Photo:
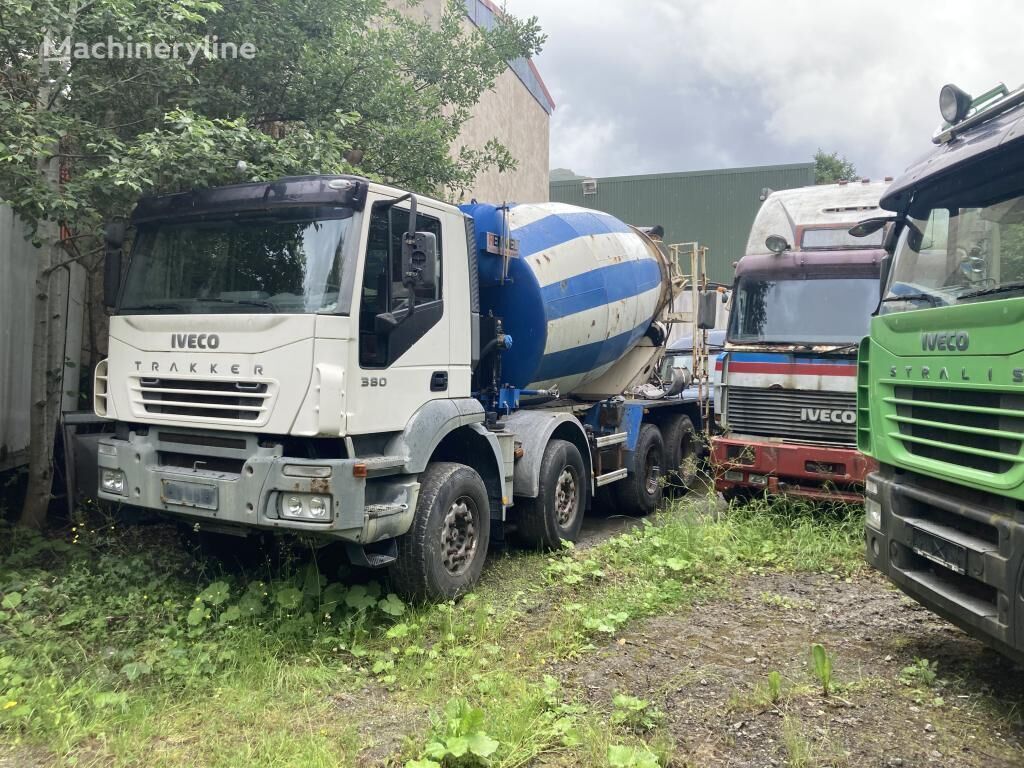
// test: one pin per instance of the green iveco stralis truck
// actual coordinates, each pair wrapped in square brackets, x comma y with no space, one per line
[940,398]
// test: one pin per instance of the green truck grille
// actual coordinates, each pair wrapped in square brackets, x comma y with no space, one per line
[959,427]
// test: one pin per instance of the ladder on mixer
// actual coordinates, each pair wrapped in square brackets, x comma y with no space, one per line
[690,263]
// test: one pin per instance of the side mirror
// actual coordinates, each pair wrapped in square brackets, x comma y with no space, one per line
[776,244]
[868,226]
[707,310]
[113,242]
[419,259]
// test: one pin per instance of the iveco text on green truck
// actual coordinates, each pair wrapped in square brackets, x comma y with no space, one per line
[941,377]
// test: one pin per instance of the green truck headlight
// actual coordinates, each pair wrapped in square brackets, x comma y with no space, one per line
[873,513]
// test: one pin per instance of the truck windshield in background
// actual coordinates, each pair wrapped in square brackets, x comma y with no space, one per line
[958,252]
[837,238]
[290,261]
[778,310]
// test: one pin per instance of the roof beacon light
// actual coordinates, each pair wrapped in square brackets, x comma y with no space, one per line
[954,103]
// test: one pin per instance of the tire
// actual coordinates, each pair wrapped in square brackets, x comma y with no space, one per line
[640,492]
[682,450]
[452,508]
[556,515]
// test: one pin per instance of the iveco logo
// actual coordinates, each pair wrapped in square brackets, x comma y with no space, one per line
[948,341]
[827,416]
[195,341]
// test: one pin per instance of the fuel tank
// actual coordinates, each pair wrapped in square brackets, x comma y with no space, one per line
[576,289]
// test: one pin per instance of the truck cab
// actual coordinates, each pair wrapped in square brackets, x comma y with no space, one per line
[786,384]
[941,376]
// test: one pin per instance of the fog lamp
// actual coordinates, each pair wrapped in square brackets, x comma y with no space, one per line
[954,103]
[112,481]
[305,506]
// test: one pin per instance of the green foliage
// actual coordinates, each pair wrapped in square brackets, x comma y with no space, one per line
[921,674]
[84,622]
[459,740]
[822,665]
[635,714]
[620,756]
[830,168]
[327,77]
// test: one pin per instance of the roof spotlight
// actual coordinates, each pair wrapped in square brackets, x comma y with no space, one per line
[954,103]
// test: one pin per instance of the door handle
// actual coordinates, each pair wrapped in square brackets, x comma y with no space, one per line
[439,381]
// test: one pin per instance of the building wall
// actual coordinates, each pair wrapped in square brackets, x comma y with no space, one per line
[509,112]
[715,208]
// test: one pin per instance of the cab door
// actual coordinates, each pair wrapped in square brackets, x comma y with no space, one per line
[398,365]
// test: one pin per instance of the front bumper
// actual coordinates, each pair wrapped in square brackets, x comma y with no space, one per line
[957,551]
[243,481]
[809,471]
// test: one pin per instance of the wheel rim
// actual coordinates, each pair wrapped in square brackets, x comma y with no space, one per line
[651,472]
[566,497]
[459,539]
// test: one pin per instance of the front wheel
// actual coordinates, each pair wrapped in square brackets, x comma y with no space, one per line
[640,492]
[442,555]
[556,515]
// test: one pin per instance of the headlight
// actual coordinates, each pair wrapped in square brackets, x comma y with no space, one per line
[733,476]
[112,481]
[873,513]
[306,506]
[758,479]
[871,487]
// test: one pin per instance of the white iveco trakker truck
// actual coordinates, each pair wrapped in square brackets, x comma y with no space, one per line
[330,356]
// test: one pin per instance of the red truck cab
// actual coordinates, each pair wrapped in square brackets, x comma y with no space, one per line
[786,384]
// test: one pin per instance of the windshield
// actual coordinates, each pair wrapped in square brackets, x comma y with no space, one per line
[834,238]
[289,261]
[951,254]
[802,311]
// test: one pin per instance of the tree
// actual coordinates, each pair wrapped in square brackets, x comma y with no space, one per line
[81,138]
[830,168]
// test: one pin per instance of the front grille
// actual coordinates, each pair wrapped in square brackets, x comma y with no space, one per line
[794,414]
[208,399]
[962,428]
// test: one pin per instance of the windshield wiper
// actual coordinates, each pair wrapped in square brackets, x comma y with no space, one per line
[931,299]
[1016,285]
[154,306]
[242,303]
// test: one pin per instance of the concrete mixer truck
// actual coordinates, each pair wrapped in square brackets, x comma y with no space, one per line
[329,356]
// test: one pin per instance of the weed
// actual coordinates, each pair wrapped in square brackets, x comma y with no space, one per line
[921,674]
[620,756]
[822,665]
[459,741]
[774,687]
[635,714]
[775,600]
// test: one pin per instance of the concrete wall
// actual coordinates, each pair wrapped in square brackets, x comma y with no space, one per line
[508,113]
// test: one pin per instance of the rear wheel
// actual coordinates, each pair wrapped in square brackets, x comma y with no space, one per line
[442,555]
[640,492]
[556,515]
[681,450]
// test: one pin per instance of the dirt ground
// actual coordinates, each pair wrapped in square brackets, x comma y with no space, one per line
[705,667]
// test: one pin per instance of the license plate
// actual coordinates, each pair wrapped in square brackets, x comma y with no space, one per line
[188,494]
[938,550]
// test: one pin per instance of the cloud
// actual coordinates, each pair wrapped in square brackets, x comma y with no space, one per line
[669,85]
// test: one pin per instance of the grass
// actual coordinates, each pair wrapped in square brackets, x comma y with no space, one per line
[121,649]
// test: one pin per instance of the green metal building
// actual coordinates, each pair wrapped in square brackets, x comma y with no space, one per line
[715,208]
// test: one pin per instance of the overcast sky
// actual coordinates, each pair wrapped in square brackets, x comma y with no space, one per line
[652,86]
